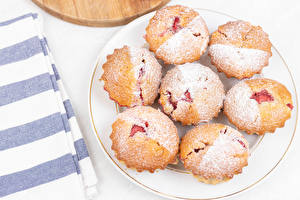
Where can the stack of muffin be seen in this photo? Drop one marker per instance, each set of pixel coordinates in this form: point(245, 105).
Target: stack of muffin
point(145, 138)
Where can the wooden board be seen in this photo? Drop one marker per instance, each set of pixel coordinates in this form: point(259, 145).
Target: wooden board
point(99, 12)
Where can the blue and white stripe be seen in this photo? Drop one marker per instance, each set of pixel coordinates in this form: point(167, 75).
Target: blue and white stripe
point(42, 151)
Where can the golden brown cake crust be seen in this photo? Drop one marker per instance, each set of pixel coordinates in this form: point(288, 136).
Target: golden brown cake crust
point(122, 89)
point(214, 153)
point(241, 34)
point(131, 76)
point(150, 150)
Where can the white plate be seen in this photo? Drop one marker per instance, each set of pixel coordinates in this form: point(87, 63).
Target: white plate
point(174, 182)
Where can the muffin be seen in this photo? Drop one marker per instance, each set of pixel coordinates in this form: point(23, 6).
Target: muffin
point(258, 105)
point(131, 76)
point(144, 139)
point(191, 93)
point(239, 49)
point(214, 153)
point(177, 35)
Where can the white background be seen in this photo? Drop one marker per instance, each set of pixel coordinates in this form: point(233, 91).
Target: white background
point(75, 49)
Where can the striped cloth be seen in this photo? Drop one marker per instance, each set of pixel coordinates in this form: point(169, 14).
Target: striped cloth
point(42, 152)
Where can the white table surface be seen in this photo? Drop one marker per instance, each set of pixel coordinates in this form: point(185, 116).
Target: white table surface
point(75, 49)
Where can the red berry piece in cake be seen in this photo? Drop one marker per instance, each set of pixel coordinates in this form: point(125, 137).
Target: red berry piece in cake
point(262, 96)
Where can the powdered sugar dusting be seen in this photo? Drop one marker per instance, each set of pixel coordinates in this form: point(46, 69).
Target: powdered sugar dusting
point(147, 81)
point(240, 108)
point(238, 59)
point(136, 57)
point(195, 76)
point(223, 156)
point(184, 43)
